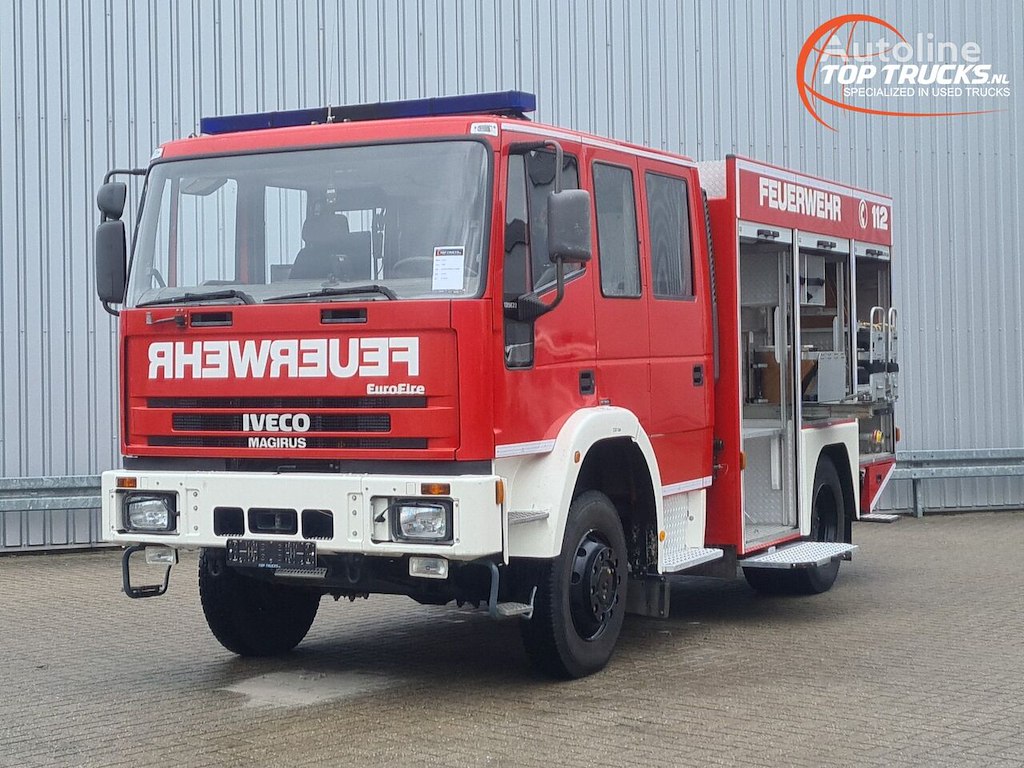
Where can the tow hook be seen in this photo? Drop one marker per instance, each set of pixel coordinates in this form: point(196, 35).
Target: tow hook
point(154, 556)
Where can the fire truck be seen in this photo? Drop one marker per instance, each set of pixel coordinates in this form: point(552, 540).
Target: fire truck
point(433, 348)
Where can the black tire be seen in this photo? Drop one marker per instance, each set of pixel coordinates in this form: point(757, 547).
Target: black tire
point(581, 593)
point(827, 514)
point(252, 617)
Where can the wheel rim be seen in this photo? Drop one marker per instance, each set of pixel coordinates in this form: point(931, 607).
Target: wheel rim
point(594, 586)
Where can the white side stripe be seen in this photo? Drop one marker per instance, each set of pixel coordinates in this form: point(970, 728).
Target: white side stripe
point(811, 181)
point(523, 449)
point(686, 486)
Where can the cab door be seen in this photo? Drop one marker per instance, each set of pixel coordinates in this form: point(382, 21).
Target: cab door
point(679, 320)
point(621, 310)
point(548, 362)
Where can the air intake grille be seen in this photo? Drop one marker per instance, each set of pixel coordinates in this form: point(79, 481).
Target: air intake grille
point(287, 403)
point(368, 443)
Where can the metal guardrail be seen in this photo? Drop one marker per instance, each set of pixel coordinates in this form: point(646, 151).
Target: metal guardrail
point(49, 513)
point(936, 465)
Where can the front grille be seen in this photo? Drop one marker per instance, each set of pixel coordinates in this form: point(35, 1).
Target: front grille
point(288, 403)
point(368, 443)
point(233, 422)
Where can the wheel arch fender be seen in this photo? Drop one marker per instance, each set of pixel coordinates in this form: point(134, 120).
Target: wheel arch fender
point(548, 482)
point(839, 455)
point(840, 443)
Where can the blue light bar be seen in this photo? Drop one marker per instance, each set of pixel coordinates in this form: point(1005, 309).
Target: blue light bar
point(506, 103)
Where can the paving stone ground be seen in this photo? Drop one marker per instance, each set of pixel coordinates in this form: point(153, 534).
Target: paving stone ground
point(915, 658)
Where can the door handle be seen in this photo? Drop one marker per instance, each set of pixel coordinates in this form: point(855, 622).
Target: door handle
point(587, 384)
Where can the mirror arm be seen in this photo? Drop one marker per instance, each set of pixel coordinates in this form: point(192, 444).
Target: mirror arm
point(529, 306)
point(110, 310)
point(523, 147)
point(123, 172)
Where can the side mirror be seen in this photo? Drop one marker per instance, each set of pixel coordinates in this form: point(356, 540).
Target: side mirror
point(111, 259)
point(569, 225)
point(110, 199)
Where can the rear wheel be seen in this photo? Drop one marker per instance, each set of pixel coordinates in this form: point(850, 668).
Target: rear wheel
point(826, 524)
point(252, 617)
point(581, 594)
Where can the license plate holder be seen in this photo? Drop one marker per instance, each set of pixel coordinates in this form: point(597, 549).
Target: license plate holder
point(252, 553)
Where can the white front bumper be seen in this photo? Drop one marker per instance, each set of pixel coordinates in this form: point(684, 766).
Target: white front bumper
point(354, 500)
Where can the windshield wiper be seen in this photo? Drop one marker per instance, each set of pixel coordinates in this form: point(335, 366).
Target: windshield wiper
point(354, 290)
point(187, 298)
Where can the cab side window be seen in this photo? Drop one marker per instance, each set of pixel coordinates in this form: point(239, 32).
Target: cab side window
point(616, 231)
point(531, 177)
point(538, 178)
point(668, 220)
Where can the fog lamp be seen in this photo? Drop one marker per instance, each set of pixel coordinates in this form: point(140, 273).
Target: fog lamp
point(420, 520)
point(428, 567)
point(150, 511)
point(161, 556)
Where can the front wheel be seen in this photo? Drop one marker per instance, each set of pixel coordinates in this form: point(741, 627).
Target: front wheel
point(581, 593)
point(252, 617)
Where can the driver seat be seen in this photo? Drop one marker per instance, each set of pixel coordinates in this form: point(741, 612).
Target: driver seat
point(327, 245)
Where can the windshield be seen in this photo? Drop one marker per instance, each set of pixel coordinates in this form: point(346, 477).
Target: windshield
point(378, 222)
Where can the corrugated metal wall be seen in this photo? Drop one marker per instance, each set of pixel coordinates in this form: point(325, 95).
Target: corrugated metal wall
point(97, 84)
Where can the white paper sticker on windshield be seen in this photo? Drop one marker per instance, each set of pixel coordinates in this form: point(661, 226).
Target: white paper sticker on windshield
point(449, 268)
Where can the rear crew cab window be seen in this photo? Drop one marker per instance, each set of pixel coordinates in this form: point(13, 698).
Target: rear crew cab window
point(668, 221)
point(618, 254)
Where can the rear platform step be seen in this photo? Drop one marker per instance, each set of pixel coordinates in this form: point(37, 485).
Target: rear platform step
point(689, 557)
point(879, 517)
point(806, 554)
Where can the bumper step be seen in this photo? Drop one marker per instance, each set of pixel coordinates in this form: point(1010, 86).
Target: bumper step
point(689, 557)
point(806, 554)
point(507, 610)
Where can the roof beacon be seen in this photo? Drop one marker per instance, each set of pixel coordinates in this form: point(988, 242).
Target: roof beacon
point(505, 103)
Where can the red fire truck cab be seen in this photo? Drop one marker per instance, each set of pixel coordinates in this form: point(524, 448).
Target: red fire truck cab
point(433, 348)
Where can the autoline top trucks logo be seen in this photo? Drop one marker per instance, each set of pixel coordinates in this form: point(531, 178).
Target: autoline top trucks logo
point(863, 64)
point(365, 357)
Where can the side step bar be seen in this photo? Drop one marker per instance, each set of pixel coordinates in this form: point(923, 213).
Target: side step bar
point(806, 554)
point(689, 557)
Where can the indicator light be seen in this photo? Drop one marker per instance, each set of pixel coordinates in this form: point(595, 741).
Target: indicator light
point(435, 489)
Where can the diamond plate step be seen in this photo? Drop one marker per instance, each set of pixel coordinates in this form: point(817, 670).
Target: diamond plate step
point(879, 517)
point(803, 555)
point(506, 610)
point(689, 557)
point(520, 516)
